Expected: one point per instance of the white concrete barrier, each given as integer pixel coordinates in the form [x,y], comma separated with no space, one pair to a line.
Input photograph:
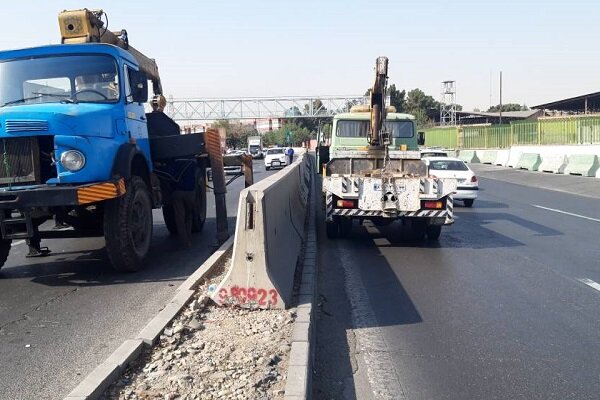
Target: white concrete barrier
[554,163]
[514,157]
[487,156]
[268,239]
[502,157]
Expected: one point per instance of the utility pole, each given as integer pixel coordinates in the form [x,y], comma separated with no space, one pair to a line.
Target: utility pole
[500,97]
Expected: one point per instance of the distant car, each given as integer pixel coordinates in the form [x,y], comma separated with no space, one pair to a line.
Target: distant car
[448,167]
[434,153]
[275,157]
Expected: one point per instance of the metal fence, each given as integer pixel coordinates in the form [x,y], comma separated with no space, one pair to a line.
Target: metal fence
[544,131]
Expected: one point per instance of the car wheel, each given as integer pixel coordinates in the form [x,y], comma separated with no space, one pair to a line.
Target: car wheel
[468,202]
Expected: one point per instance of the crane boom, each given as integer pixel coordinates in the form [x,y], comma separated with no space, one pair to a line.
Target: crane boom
[86,26]
[377,136]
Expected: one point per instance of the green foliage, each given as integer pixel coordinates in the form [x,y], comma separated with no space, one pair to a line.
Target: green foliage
[508,107]
[397,98]
[296,133]
[236,133]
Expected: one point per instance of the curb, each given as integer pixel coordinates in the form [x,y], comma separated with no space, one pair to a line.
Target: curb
[299,374]
[106,373]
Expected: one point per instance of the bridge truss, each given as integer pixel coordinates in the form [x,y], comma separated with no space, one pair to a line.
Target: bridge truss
[260,107]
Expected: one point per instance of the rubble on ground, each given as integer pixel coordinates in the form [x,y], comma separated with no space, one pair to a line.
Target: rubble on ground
[210,352]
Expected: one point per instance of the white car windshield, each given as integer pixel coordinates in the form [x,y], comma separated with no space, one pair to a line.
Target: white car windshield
[275,151]
[450,165]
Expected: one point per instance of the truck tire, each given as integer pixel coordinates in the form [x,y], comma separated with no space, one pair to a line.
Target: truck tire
[200,205]
[128,226]
[331,228]
[169,217]
[418,229]
[345,226]
[5,245]
[468,202]
[433,232]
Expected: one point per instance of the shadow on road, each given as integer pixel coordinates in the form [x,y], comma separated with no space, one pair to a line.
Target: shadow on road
[71,264]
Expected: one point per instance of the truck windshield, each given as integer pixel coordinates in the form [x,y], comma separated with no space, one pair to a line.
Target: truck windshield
[59,79]
[357,129]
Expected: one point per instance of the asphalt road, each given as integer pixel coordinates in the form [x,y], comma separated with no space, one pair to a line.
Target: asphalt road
[505,306]
[62,315]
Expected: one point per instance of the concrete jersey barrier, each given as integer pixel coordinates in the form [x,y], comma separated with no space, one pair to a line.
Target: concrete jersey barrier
[555,163]
[502,157]
[487,156]
[268,239]
[468,156]
[529,161]
[582,164]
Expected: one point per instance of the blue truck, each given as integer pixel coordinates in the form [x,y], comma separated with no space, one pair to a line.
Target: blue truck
[76,143]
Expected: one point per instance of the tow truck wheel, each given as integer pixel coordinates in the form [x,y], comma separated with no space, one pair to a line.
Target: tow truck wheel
[331,228]
[468,202]
[345,226]
[418,228]
[433,232]
[128,227]
[199,205]
[4,250]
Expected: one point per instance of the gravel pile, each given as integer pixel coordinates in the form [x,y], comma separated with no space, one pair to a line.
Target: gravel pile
[209,352]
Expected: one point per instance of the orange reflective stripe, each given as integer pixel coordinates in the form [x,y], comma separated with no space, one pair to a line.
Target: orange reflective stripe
[102,191]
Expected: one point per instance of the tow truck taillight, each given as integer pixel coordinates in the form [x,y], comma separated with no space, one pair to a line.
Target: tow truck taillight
[345,204]
[433,204]
[473,178]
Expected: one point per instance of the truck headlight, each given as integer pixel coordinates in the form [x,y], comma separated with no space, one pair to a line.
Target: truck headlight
[72,160]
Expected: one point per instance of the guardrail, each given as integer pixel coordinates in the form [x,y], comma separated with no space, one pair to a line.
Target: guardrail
[544,131]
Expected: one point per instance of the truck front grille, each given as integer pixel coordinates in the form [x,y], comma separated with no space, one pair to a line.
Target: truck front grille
[15,125]
[19,161]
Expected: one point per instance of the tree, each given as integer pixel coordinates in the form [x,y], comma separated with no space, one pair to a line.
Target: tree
[425,108]
[397,98]
[508,107]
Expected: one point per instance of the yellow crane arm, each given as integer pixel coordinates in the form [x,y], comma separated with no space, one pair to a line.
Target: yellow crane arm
[86,26]
[378,110]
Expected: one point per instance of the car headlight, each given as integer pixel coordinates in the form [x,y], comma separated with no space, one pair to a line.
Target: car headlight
[72,160]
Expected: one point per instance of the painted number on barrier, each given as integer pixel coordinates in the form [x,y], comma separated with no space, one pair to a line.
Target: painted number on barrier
[241,295]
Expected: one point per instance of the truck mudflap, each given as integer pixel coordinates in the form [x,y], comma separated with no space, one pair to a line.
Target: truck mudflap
[55,196]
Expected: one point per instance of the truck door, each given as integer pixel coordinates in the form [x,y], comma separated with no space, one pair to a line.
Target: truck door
[135,115]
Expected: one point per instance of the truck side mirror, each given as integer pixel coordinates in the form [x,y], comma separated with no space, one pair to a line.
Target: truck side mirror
[421,138]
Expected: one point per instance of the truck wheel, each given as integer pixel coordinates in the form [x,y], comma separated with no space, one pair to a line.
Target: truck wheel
[200,205]
[169,217]
[128,227]
[433,232]
[331,228]
[419,229]
[4,250]
[345,226]
[468,202]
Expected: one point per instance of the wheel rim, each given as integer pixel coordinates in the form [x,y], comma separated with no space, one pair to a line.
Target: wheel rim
[141,223]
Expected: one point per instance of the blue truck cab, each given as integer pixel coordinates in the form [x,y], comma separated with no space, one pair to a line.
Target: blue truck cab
[75,142]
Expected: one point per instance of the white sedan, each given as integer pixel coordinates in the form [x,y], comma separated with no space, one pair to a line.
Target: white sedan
[447,167]
[275,157]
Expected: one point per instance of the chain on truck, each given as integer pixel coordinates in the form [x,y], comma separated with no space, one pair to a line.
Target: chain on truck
[372,169]
[76,142]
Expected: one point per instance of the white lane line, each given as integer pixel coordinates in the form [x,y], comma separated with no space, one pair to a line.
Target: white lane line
[566,213]
[18,242]
[590,283]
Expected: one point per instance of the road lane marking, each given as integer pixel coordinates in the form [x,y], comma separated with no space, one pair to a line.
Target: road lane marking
[566,213]
[18,242]
[590,283]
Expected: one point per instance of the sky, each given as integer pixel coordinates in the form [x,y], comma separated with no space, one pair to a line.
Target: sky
[546,50]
